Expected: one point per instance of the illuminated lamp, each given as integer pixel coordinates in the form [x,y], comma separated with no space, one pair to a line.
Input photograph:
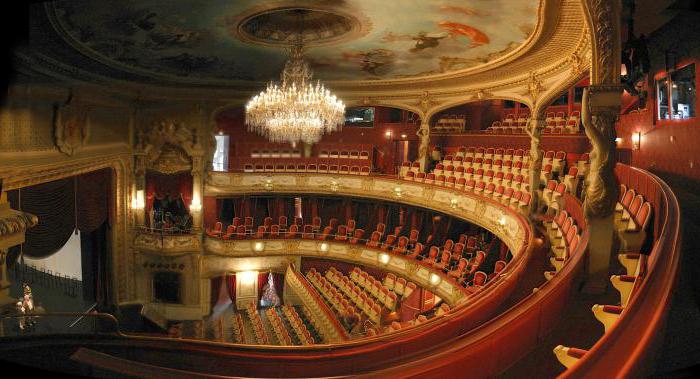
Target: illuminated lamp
[636,140]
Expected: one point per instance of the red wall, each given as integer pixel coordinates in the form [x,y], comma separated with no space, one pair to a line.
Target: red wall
[667,146]
[386,150]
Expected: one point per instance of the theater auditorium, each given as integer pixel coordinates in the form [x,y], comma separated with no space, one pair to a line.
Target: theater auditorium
[351,188]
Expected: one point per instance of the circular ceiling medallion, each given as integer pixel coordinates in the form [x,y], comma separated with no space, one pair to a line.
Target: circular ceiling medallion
[281,26]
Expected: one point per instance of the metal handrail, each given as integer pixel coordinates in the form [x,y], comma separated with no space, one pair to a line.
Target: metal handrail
[82,316]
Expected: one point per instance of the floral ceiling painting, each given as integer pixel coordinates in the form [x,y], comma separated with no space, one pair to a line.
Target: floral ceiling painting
[198,40]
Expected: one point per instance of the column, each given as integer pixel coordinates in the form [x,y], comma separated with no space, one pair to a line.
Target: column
[534,130]
[138,203]
[196,205]
[600,110]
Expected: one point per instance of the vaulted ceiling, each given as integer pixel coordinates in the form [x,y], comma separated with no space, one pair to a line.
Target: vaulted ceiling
[242,40]
[361,48]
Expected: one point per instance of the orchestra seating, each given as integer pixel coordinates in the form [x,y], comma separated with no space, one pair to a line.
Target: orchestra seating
[260,334]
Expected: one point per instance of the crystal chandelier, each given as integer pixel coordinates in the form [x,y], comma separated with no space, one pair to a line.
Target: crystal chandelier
[295,110]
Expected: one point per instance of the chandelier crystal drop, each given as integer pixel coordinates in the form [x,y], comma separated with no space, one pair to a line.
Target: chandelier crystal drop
[295,110]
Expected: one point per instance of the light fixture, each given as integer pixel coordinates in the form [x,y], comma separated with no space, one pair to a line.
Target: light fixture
[259,246]
[618,140]
[502,221]
[404,136]
[397,191]
[623,70]
[435,279]
[295,110]
[138,202]
[324,247]
[388,134]
[453,203]
[384,258]
[196,204]
[636,140]
[248,277]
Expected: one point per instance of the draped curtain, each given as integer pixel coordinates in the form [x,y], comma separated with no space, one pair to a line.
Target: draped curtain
[215,288]
[262,280]
[231,287]
[95,265]
[279,285]
[54,204]
[94,199]
[159,185]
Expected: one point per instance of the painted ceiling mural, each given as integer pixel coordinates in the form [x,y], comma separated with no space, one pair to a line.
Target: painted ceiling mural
[197,40]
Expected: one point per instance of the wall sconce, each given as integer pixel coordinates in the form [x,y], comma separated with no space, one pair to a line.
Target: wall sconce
[384,258]
[435,279]
[388,134]
[618,140]
[259,246]
[623,70]
[636,140]
[196,204]
[324,247]
[397,191]
[248,277]
[404,136]
[138,202]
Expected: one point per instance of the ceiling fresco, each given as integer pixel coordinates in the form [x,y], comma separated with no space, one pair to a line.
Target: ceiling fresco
[369,39]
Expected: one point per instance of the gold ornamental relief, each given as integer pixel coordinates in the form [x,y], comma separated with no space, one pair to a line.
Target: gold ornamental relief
[71,127]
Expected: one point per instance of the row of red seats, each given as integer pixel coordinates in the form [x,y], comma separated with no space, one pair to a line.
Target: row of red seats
[344,308]
[298,325]
[322,168]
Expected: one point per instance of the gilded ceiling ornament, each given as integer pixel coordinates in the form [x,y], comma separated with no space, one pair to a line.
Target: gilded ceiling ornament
[576,64]
[170,147]
[71,127]
[425,102]
[534,86]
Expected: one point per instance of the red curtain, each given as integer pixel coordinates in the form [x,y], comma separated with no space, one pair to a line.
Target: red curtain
[158,184]
[231,287]
[279,285]
[215,288]
[262,280]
